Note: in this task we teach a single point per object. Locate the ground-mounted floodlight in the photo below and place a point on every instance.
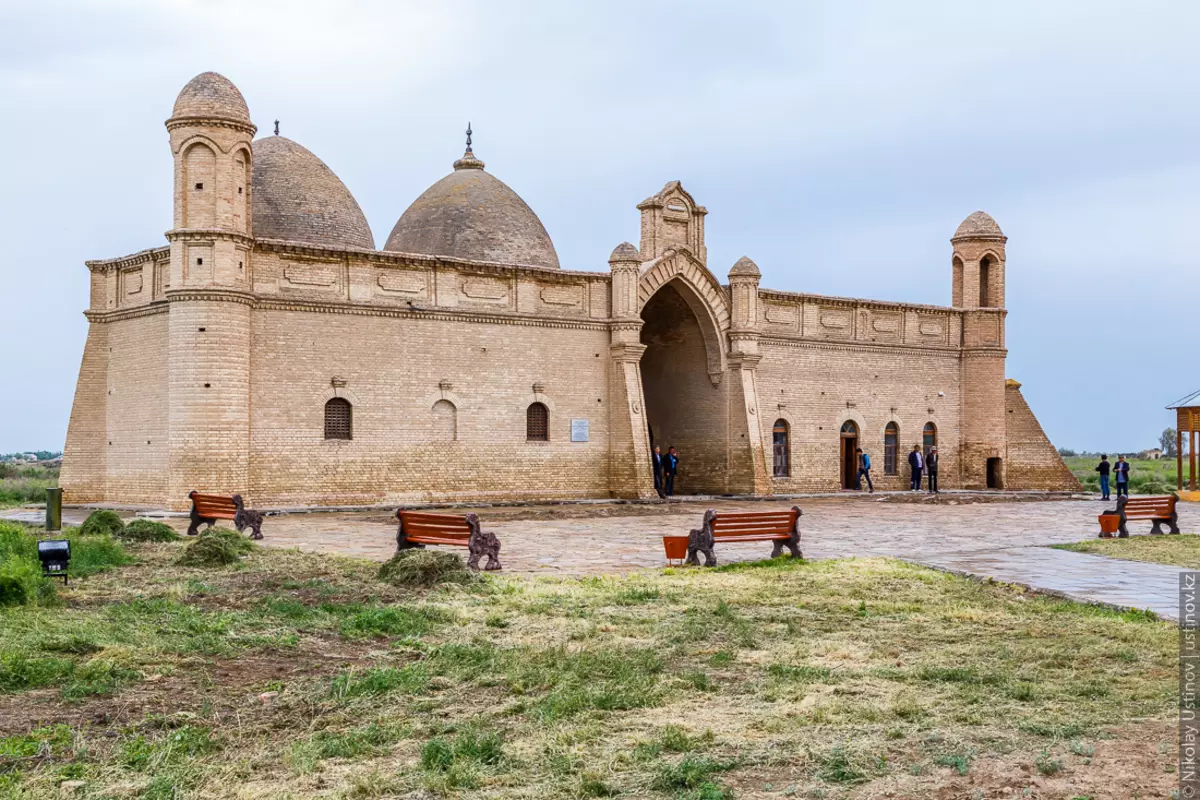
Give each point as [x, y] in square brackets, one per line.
[54, 554]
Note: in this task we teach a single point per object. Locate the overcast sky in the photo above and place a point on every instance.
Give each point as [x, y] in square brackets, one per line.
[836, 144]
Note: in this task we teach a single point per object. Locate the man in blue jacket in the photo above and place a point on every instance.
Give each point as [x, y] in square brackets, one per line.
[1122, 476]
[670, 470]
[864, 468]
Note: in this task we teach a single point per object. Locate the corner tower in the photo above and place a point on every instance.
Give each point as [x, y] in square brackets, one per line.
[209, 290]
[978, 273]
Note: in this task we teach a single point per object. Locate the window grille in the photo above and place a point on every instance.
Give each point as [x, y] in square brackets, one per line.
[779, 436]
[537, 423]
[891, 445]
[338, 419]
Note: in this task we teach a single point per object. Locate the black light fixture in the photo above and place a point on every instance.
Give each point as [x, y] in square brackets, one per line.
[54, 554]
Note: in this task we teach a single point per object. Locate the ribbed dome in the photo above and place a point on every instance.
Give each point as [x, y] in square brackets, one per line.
[977, 225]
[624, 252]
[472, 215]
[296, 197]
[211, 94]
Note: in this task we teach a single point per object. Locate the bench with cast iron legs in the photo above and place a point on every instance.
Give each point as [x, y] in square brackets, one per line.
[418, 528]
[780, 527]
[1156, 509]
[208, 508]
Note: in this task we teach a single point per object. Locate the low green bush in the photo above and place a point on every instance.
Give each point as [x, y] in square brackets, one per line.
[102, 523]
[424, 568]
[216, 547]
[146, 530]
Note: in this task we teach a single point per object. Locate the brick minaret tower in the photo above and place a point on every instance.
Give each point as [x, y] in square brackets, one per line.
[978, 268]
[209, 290]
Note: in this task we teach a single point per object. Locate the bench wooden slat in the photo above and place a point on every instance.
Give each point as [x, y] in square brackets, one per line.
[751, 517]
[752, 537]
[214, 506]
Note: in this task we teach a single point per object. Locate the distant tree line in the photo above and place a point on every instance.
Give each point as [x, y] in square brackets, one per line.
[42, 455]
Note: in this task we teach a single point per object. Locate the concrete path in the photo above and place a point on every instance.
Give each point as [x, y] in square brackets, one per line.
[1001, 540]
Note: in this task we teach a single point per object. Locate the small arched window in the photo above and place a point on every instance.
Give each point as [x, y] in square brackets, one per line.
[445, 422]
[338, 419]
[958, 282]
[929, 438]
[891, 446]
[537, 423]
[779, 447]
[985, 265]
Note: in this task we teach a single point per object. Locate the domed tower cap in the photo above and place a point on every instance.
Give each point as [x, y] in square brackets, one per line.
[211, 95]
[978, 225]
[744, 266]
[624, 253]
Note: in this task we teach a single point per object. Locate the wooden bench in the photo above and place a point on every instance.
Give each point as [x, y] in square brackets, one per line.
[419, 528]
[208, 508]
[780, 527]
[1156, 509]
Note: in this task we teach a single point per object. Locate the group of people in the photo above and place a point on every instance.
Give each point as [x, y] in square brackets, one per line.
[665, 469]
[918, 463]
[1120, 469]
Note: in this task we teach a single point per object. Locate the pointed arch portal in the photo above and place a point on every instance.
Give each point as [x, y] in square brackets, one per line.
[685, 403]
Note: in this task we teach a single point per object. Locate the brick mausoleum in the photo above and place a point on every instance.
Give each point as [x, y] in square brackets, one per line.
[269, 349]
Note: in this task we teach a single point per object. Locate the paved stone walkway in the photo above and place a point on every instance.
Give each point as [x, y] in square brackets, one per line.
[1005, 541]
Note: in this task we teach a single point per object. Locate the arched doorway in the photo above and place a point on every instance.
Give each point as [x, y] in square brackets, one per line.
[849, 457]
[683, 408]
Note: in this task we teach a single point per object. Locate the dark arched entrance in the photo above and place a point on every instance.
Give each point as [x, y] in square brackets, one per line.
[849, 456]
[683, 408]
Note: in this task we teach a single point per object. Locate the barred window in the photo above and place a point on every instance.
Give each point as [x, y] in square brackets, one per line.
[891, 444]
[537, 423]
[779, 446]
[929, 438]
[338, 419]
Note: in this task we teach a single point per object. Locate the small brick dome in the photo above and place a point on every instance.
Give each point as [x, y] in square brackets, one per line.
[978, 225]
[624, 252]
[211, 94]
[744, 266]
[472, 215]
[296, 197]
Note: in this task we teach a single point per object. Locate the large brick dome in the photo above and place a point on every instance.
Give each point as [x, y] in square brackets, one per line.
[296, 197]
[214, 96]
[472, 215]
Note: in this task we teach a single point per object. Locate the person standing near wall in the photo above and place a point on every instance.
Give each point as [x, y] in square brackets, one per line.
[931, 467]
[1122, 470]
[670, 470]
[864, 469]
[915, 464]
[1104, 468]
[656, 463]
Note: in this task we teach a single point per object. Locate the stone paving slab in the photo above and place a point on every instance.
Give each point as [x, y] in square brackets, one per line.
[1001, 540]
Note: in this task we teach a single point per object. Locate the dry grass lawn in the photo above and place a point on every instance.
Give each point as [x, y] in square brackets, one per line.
[291, 675]
[1180, 551]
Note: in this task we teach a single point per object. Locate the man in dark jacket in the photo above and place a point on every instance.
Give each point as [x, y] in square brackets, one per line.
[931, 468]
[1122, 470]
[916, 464]
[656, 463]
[670, 470]
[864, 470]
[1104, 468]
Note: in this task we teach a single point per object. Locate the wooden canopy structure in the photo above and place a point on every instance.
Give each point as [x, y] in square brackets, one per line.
[1187, 416]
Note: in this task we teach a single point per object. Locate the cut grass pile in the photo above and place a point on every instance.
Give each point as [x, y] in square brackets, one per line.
[299, 675]
[216, 547]
[145, 530]
[417, 568]
[1180, 551]
[102, 523]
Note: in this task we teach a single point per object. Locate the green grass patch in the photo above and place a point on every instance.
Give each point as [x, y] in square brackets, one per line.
[1175, 550]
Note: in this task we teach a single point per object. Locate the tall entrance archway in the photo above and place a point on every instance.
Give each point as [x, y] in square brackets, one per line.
[683, 407]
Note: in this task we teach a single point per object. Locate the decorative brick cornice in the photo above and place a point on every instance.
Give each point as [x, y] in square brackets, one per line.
[132, 260]
[210, 295]
[438, 313]
[862, 347]
[207, 235]
[417, 260]
[799, 298]
[150, 309]
[212, 122]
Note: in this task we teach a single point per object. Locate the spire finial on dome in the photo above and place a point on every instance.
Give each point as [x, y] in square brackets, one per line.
[468, 161]
[276, 127]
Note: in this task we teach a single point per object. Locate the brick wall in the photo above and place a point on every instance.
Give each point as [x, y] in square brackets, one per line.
[1033, 462]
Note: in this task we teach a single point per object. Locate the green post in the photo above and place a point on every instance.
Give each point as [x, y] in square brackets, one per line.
[54, 509]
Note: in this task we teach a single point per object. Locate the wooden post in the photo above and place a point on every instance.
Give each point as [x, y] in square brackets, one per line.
[1179, 459]
[1191, 451]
